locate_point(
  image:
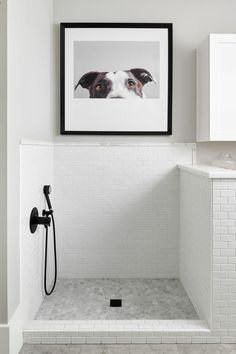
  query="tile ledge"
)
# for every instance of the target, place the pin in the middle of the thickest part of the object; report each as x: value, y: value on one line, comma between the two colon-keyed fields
x: 118, y: 325
x: 105, y: 144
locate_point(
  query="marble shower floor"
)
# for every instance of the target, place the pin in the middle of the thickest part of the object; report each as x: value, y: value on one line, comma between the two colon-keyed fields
x: 89, y: 299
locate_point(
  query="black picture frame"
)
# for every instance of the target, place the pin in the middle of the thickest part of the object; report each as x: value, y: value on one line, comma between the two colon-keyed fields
x: 64, y: 26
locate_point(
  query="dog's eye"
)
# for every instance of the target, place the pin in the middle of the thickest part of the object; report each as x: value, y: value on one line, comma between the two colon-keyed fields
x: 131, y: 83
x: 98, y: 87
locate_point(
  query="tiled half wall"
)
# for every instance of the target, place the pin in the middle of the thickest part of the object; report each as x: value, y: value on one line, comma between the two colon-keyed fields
x: 208, y: 250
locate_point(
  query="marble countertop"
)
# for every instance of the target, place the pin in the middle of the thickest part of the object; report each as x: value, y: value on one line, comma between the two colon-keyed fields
x: 208, y: 171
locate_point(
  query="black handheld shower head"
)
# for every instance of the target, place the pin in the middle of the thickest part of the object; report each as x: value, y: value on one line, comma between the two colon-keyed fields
x: 47, y: 190
x: 48, y: 214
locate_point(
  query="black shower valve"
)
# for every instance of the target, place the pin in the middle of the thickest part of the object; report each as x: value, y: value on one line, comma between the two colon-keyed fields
x: 42, y: 220
x: 47, y: 212
x: 36, y: 220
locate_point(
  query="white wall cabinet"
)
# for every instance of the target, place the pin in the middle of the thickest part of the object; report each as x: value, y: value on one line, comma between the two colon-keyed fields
x: 216, y: 88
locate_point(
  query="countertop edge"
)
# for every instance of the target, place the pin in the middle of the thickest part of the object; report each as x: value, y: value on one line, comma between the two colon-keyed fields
x: 208, y: 171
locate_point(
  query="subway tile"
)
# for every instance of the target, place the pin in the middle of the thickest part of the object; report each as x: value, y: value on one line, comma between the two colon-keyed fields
x: 139, y: 340
x: 108, y: 340
x: 78, y: 340
x: 93, y: 340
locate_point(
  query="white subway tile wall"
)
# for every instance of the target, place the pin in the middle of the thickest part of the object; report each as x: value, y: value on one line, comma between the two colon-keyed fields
x: 196, y: 241
x: 214, y: 200
x: 117, y: 210
x: 224, y: 259
x: 36, y: 169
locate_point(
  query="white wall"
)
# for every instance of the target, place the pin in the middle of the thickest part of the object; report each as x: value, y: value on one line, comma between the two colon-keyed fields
x: 36, y: 170
x: 196, y: 241
x: 25, y: 113
x: 3, y: 161
x: 193, y: 21
x: 117, y: 210
x: 29, y: 108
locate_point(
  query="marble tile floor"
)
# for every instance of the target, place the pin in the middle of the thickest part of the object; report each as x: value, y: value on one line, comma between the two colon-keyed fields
x: 131, y: 349
x: 89, y: 299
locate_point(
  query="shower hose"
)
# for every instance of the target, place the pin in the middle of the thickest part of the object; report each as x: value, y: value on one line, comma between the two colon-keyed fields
x: 49, y: 292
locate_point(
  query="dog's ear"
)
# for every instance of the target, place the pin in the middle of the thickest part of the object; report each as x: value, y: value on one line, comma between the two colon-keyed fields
x: 142, y: 75
x: 87, y: 79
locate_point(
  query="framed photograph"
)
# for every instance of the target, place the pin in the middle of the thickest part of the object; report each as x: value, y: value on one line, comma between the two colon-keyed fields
x: 116, y: 78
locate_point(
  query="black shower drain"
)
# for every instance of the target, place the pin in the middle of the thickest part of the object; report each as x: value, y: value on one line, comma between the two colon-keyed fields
x: 115, y: 303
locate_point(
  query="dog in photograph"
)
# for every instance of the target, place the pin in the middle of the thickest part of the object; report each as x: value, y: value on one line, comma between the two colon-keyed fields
x: 118, y: 84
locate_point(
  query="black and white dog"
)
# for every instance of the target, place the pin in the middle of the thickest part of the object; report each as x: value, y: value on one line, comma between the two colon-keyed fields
x: 119, y: 84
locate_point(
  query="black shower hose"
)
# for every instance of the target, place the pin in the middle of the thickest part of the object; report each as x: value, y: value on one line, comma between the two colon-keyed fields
x: 49, y: 292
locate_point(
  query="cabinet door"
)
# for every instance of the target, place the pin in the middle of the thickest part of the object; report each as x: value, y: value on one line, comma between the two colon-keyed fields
x: 223, y: 87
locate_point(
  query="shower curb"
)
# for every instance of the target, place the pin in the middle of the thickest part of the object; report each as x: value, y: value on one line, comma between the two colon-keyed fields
x: 118, y: 332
